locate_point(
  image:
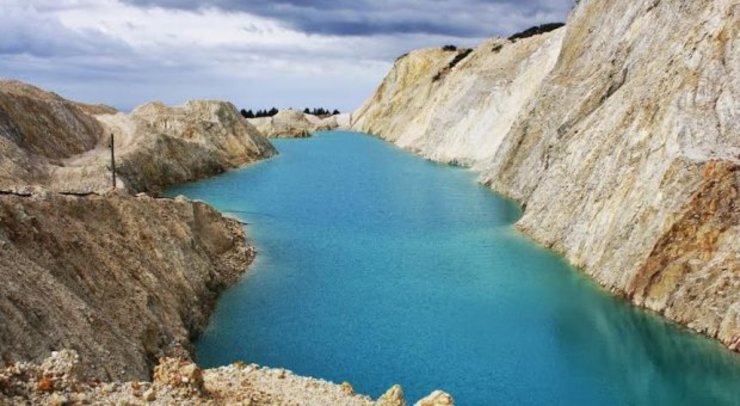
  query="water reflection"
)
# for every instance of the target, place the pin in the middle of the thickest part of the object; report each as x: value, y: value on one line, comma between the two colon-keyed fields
x: 611, y: 339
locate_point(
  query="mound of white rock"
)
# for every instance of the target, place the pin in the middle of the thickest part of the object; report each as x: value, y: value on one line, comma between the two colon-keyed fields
x: 297, y: 124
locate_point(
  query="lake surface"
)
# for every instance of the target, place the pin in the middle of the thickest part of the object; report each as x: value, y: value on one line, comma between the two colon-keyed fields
x: 377, y: 267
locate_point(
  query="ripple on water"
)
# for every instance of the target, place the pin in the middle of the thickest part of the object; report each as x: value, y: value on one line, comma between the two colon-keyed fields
x: 377, y: 267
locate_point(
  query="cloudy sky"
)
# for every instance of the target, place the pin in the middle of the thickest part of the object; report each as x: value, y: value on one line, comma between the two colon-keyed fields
x: 255, y: 53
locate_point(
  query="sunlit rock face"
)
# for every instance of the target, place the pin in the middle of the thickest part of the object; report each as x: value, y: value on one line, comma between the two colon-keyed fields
x: 456, y: 106
x: 619, y: 133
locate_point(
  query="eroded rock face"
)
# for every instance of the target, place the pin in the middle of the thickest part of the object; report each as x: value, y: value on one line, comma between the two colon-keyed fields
x: 624, y: 147
x: 623, y: 137
x: 123, y: 280
x: 297, y: 124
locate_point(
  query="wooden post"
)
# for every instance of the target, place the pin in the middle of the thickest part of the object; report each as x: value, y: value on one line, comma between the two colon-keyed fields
x: 113, y: 160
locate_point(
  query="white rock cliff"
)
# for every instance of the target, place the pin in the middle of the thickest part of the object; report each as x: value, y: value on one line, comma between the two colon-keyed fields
x: 620, y: 135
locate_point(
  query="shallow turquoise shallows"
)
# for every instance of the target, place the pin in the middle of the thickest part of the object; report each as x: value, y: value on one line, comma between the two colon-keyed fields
x: 377, y: 267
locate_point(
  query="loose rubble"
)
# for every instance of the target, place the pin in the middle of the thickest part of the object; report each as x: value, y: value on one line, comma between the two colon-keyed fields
x: 58, y: 381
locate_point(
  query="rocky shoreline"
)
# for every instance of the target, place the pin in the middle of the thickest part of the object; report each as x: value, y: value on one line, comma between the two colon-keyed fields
x: 57, y: 381
x: 113, y: 282
x: 122, y: 279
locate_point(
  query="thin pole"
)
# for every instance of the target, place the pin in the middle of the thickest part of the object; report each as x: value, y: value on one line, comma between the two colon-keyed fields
x: 113, y: 159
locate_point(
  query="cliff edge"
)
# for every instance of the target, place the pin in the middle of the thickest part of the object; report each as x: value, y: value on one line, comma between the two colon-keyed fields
x: 619, y: 134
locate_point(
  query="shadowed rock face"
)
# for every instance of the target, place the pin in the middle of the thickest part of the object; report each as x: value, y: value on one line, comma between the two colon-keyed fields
x: 123, y: 280
x: 30, y: 116
x: 618, y: 133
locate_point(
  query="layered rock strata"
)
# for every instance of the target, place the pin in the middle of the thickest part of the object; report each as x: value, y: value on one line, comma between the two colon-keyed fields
x: 123, y: 280
x: 619, y: 134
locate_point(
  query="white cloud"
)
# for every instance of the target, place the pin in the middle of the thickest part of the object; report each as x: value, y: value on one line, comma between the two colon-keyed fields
x: 123, y: 54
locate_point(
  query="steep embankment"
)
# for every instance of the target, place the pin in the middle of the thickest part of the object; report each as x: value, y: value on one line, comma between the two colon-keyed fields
x: 121, y: 279
x: 297, y: 124
x: 623, y: 145
x: 38, y: 127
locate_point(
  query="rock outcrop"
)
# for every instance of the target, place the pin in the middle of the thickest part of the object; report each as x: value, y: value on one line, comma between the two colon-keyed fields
x: 620, y: 134
x: 436, y: 398
x: 290, y: 123
x: 59, y: 380
x: 62, y: 145
x: 123, y: 280
x: 392, y: 397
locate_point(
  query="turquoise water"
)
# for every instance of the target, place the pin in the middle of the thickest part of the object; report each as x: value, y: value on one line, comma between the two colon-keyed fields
x: 377, y: 267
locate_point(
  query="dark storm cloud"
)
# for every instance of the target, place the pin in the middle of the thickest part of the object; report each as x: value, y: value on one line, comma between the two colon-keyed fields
x: 462, y: 18
x: 256, y: 53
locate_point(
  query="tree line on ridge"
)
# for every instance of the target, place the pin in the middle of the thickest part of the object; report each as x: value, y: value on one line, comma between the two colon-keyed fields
x: 316, y: 111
